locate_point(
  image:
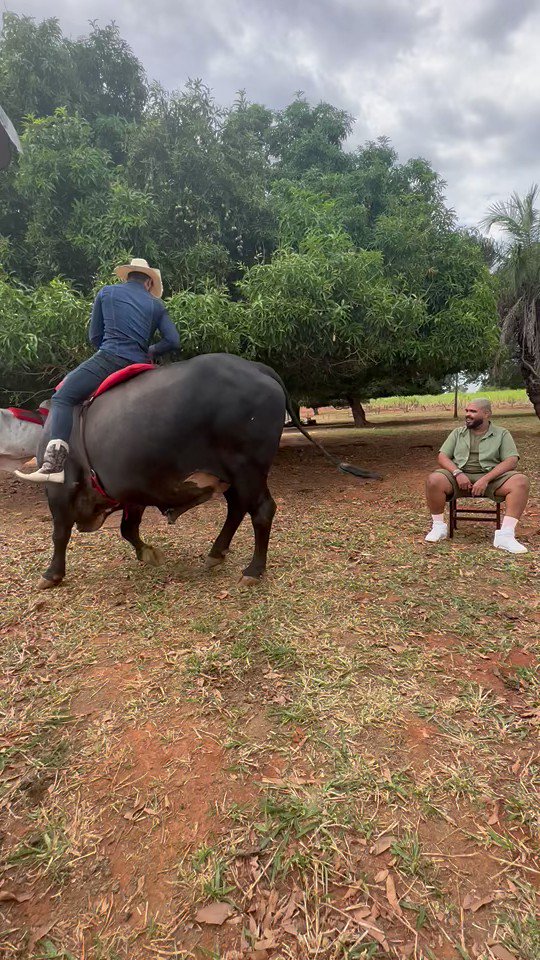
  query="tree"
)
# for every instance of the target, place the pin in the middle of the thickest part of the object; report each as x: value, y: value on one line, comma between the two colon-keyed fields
x: 42, y: 70
x: 519, y: 271
x: 422, y: 255
x: 36, y: 70
x: 304, y: 138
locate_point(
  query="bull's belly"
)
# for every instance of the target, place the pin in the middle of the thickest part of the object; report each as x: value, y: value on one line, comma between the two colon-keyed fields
x: 170, y: 490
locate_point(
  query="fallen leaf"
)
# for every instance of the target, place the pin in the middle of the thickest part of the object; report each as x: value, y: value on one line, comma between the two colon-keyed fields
x: 214, y: 913
x: 501, y: 953
x: 377, y: 934
x: 473, y: 903
x: 39, y: 933
x: 359, y: 913
x: 381, y: 876
x: 267, y: 944
x: 494, y: 818
x: 382, y: 844
x: 6, y: 895
x: 391, y: 894
x: 223, y: 595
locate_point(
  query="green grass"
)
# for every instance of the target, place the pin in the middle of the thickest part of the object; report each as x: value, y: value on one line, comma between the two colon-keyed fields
x: 445, y: 401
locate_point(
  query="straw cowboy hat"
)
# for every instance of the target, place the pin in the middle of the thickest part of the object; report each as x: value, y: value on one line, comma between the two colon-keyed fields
x: 141, y: 266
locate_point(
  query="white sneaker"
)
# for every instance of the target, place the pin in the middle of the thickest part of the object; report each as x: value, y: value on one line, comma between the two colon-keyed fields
x: 507, y: 541
x: 439, y: 531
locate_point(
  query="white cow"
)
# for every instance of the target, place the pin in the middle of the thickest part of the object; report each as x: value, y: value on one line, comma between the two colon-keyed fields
x: 18, y: 439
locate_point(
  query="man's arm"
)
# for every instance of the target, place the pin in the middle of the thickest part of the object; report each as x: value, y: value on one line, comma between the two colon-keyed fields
x: 170, y: 338
x: 445, y: 453
x: 480, y: 486
x: 462, y: 479
x: 446, y: 463
x: 509, y: 461
x: 97, y: 327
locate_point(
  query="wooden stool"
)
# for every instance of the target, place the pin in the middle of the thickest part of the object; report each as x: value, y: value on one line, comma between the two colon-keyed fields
x: 489, y: 516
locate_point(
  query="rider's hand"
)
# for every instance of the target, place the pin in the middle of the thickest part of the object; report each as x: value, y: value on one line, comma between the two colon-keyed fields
x: 463, y: 482
x: 479, y: 488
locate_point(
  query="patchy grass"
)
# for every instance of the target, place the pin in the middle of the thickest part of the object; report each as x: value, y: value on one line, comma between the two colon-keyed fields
x: 345, y: 760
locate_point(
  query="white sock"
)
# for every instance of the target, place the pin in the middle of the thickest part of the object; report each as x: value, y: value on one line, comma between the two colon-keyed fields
x: 509, y: 525
x: 437, y: 518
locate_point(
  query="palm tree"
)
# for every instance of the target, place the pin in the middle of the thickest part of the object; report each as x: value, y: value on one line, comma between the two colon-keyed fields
x: 519, y: 270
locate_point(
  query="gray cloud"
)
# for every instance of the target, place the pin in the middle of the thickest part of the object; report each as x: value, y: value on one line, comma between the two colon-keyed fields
x: 455, y: 83
x: 498, y: 20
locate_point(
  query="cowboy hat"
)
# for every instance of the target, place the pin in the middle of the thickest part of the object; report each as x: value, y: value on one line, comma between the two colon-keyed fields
x: 141, y: 266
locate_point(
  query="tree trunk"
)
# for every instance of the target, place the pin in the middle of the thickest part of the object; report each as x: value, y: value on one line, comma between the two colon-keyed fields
x: 456, y: 391
x: 358, y: 412
x: 532, y: 386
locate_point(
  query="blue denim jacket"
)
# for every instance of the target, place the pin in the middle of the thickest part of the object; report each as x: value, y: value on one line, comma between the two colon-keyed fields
x: 123, y: 322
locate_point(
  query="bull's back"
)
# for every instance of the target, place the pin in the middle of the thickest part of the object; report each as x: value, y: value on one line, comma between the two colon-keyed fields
x: 213, y: 413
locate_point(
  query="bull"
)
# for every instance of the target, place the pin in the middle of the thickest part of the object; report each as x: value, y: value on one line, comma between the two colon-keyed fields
x: 173, y: 438
x: 20, y: 434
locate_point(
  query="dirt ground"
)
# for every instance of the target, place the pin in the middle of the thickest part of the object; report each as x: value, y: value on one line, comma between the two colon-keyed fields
x: 340, y: 763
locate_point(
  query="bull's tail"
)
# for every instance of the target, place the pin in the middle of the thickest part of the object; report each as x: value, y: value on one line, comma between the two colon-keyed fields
x: 344, y: 467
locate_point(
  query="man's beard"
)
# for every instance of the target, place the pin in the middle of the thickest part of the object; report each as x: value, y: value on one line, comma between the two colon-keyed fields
x: 472, y: 424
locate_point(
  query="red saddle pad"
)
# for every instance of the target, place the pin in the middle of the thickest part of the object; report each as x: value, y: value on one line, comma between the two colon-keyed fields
x: 126, y: 373
x: 29, y: 415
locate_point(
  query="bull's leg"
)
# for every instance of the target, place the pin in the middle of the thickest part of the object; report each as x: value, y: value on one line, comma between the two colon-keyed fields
x: 262, y: 515
x: 235, y: 515
x: 129, y: 528
x: 63, y: 520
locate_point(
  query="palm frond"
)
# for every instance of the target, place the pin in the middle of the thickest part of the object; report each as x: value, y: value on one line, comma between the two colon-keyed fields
x: 518, y: 218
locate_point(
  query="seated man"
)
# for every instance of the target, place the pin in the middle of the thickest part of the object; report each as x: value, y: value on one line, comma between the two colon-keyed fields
x: 479, y: 460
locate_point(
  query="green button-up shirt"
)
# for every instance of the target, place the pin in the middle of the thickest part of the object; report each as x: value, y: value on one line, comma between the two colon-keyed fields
x: 495, y: 446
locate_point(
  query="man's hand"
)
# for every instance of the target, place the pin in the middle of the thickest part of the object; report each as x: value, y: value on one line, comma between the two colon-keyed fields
x: 463, y: 482
x: 480, y: 487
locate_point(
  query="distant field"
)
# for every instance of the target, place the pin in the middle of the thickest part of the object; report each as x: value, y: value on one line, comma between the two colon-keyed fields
x: 445, y: 401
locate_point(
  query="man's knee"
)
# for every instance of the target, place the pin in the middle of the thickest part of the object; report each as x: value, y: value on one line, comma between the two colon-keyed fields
x: 436, y: 480
x: 520, y: 482
x: 517, y: 484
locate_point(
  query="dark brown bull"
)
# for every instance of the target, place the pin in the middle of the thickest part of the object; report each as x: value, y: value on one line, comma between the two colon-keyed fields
x: 173, y: 438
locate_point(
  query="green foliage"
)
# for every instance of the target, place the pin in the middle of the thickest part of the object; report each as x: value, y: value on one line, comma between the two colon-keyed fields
x: 330, y: 305
x: 42, y: 335
x: 41, y: 70
x: 519, y: 274
x: 208, y: 322
x: 274, y: 241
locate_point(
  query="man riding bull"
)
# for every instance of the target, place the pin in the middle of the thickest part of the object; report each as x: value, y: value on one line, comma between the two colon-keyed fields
x: 125, y: 317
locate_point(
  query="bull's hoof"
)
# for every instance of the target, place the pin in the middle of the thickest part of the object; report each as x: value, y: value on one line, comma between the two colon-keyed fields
x: 44, y: 584
x: 211, y: 562
x: 151, y: 556
x: 249, y: 581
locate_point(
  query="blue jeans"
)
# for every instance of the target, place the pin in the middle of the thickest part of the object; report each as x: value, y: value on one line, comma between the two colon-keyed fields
x: 77, y: 386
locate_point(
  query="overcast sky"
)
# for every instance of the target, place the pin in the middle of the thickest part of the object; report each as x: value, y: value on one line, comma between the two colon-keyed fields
x: 454, y: 81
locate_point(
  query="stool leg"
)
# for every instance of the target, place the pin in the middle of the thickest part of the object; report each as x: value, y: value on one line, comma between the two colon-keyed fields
x: 498, y: 516
x: 452, y: 524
